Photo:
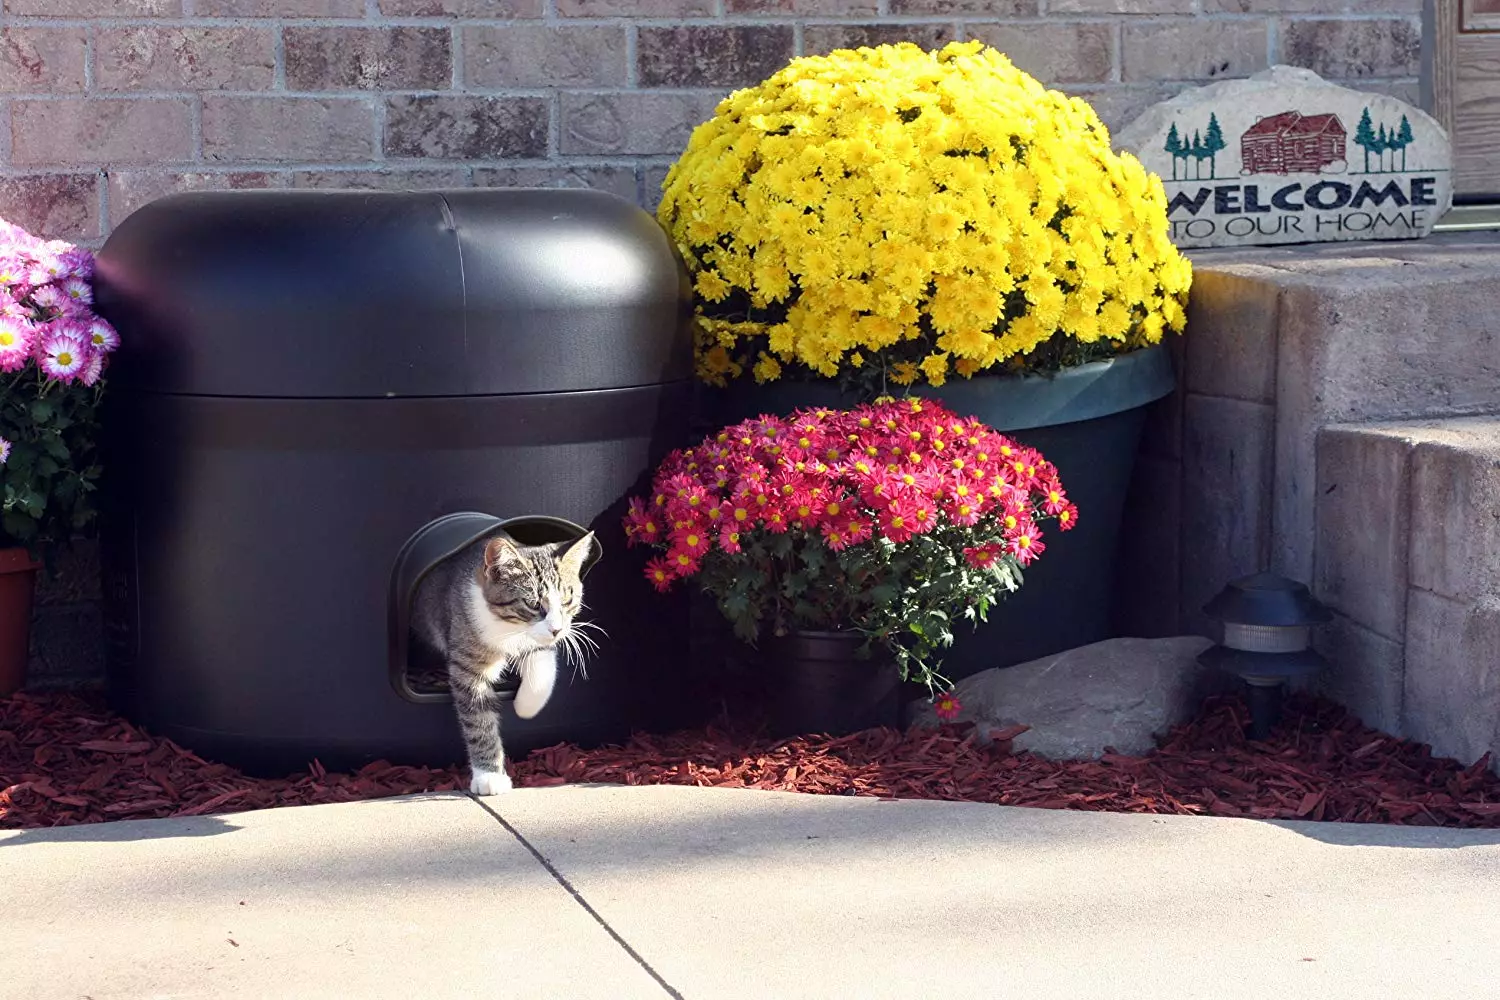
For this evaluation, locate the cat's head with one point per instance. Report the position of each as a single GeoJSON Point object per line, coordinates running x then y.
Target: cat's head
{"type": "Point", "coordinates": [535, 590]}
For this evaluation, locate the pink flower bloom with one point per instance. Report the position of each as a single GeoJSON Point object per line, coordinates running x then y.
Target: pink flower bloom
{"type": "Point", "coordinates": [659, 572]}
{"type": "Point", "coordinates": [982, 556]}
{"type": "Point", "coordinates": [78, 291]}
{"type": "Point", "coordinates": [16, 339]}
{"type": "Point", "coordinates": [47, 267]}
{"type": "Point", "coordinates": [947, 706]}
{"type": "Point", "coordinates": [63, 354]}
{"type": "Point", "coordinates": [51, 300]}
{"type": "Point", "coordinates": [93, 369]}
{"type": "Point", "coordinates": [4, 450]}
{"type": "Point", "coordinates": [104, 337]}
{"type": "Point", "coordinates": [12, 268]}
{"type": "Point", "coordinates": [78, 263]}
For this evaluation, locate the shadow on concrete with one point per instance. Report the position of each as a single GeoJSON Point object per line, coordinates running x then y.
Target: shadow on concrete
{"type": "Point", "coordinates": [1386, 835]}
{"type": "Point", "coordinates": [123, 831]}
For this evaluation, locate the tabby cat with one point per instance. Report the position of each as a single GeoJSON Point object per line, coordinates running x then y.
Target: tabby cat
{"type": "Point", "coordinates": [501, 608]}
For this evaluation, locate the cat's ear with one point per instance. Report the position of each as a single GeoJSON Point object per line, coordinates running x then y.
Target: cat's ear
{"type": "Point", "coordinates": [572, 555]}
{"type": "Point", "coordinates": [500, 550]}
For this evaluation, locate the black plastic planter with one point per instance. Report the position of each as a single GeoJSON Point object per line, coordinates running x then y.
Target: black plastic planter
{"type": "Point", "coordinates": [1087, 421]}
{"type": "Point", "coordinates": [310, 378]}
{"type": "Point", "coordinates": [819, 686]}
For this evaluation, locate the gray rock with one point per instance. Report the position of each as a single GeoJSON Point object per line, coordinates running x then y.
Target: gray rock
{"type": "Point", "coordinates": [1115, 693]}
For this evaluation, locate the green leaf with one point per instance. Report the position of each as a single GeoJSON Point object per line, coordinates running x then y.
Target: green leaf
{"type": "Point", "coordinates": [43, 410]}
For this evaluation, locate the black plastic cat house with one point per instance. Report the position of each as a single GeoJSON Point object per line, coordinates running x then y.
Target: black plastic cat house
{"type": "Point", "coordinates": [305, 379]}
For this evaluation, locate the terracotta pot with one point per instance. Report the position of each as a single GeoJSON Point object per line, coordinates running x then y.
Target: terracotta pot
{"type": "Point", "coordinates": [821, 687]}
{"type": "Point", "coordinates": [17, 582]}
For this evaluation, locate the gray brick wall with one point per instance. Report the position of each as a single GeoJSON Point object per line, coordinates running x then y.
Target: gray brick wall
{"type": "Point", "coordinates": [107, 104]}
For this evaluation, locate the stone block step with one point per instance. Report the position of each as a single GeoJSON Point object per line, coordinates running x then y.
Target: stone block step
{"type": "Point", "coordinates": [1407, 553]}
{"type": "Point", "coordinates": [1339, 334]}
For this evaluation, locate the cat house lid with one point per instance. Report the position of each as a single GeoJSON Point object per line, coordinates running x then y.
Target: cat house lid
{"type": "Point", "coordinates": [328, 294]}
{"type": "Point", "coordinates": [437, 540]}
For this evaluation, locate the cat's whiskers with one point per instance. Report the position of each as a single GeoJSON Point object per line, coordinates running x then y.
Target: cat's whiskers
{"type": "Point", "coordinates": [576, 644]}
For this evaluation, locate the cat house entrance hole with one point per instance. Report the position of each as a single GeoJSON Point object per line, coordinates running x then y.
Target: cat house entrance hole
{"type": "Point", "coordinates": [416, 672]}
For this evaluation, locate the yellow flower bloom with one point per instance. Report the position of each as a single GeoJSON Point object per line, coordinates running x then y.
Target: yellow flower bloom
{"type": "Point", "coordinates": [870, 198]}
{"type": "Point", "coordinates": [935, 367]}
{"type": "Point", "coordinates": [767, 369]}
{"type": "Point", "coordinates": [711, 286]}
{"type": "Point", "coordinates": [903, 373]}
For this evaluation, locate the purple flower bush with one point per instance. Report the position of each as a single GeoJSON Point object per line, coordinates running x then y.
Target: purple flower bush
{"type": "Point", "coordinates": [53, 354]}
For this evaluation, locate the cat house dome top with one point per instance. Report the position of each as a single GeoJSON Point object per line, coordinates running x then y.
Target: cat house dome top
{"type": "Point", "coordinates": [889, 214]}
{"type": "Point", "coordinates": [347, 294]}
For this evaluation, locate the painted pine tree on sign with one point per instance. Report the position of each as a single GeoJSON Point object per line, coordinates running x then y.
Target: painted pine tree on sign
{"type": "Point", "coordinates": [1364, 136]}
{"type": "Point", "coordinates": [1213, 144]}
{"type": "Point", "coordinates": [1177, 150]}
{"type": "Point", "coordinates": [1383, 140]}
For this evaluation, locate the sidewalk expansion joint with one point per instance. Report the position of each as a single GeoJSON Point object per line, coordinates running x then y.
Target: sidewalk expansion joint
{"type": "Point", "coordinates": [562, 880]}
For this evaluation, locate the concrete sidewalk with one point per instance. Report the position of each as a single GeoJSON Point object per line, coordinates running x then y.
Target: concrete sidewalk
{"type": "Point", "coordinates": [609, 892]}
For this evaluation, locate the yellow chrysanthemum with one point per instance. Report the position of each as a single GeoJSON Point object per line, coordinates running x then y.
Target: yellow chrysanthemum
{"type": "Point", "coordinates": [919, 213]}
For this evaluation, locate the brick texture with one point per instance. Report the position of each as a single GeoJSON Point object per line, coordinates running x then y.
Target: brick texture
{"type": "Point", "coordinates": [815, 8]}
{"type": "Point", "coordinates": [42, 60]}
{"type": "Point", "coordinates": [820, 39]}
{"type": "Point", "coordinates": [113, 130]}
{"type": "Point", "coordinates": [1193, 50]}
{"type": "Point", "coordinates": [94, 8]}
{"type": "Point", "coordinates": [402, 58]}
{"type": "Point", "coordinates": [498, 9]}
{"type": "Point", "coordinates": [1055, 53]}
{"type": "Point", "coordinates": [466, 128]}
{"type": "Point", "coordinates": [57, 206]}
{"type": "Point", "coordinates": [131, 189]}
{"type": "Point", "coordinates": [641, 123]}
{"type": "Point", "coordinates": [713, 56]}
{"type": "Point", "coordinates": [525, 56]}
{"type": "Point", "coordinates": [106, 105]}
{"type": "Point", "coordinates": [174, 58]}
{"type": "Point", "coordinates": [1354, 49]}
{"type": "Point", "coordinates": [277, 129]}
{"type": "Point", "coordinates": [279, 8]}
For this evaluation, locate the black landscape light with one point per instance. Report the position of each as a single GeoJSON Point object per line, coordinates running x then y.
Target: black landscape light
{"type": "Point", "coordinates": [1268, 622]}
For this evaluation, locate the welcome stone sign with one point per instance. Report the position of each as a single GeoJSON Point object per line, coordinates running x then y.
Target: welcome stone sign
{"type": "Point", "coordinates": [1287, 157]}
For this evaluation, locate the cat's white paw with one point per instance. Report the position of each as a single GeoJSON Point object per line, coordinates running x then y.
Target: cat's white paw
{"type": "Point", "coordinates": [489, 782]}
{"type": "Point", "coordinates": [538, 675]}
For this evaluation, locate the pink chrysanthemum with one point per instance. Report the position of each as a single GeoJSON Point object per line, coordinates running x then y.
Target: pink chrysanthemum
{"type": "Point", "coordinates": [78, 291]}
{"type": "Point", "coordinates": [103, 337]}
{"type": "Point", "coordinates": [50, 300]}
{"type": "Point", "coordinates": [78, 263]}
{"type": "Point", "coordinates": [947, 706]}
{"type": "Point", "coordinates": [93, 369]}
{"type": "Point", "coordinates": [46, 267]}
{"type": "Point", "coordinates": [16, 339]}
{"type": "Point", "coordinates": [659, 574]}
{"type": "Point", "coordinates": [63, 354]}
{"type": "Point", "coordinates": [4, 451]}
{"type": "Point", "coordinates": [12, 269]}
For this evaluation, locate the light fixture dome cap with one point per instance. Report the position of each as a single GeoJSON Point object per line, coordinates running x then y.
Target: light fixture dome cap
{"type": "Point", "coordinates": [1267, 599]}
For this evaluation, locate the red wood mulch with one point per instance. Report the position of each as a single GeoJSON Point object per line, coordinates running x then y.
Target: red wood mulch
{"type": "Point", "coordinates": [65, 760]}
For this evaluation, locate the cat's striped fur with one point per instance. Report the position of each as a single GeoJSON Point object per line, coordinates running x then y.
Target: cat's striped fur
{"type": "Point", "coordinates": [495, 608]}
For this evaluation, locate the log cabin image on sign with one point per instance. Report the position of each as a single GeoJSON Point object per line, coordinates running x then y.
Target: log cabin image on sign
{"type": "Point", "coordinates": [1286, 157]}
{"type": "Point", "coordinates": [1294, 143]}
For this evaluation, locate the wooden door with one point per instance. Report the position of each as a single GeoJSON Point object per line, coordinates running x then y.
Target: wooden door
{"type": "Point", "coordinates": [1465, 91]}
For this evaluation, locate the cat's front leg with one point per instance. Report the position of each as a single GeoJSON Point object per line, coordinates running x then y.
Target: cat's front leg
{"type": "Point", "coordinates": [479, 721]}
{"type": "Point", "coordinates": [538, 676]}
